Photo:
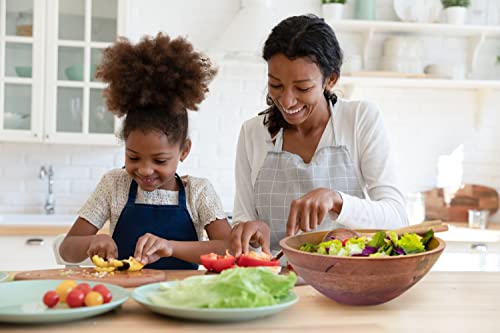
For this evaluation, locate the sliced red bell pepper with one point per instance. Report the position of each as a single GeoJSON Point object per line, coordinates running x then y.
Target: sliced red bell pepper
{"type": "Point", "coordinates": [217, 263]}
{"type": "Point", "coordinates": [254, 259]}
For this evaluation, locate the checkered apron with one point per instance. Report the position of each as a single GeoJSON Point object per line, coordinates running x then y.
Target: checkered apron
{"type": "Point", "coordinates": [284, 177]}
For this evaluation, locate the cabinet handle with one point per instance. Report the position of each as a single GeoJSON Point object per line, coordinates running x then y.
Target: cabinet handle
{"type": "Point", "coordinates": [479, 247]}
{"type": "Point", "coordinates": [35, 241]}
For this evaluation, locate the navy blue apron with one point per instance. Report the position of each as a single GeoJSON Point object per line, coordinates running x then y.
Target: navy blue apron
{"type": "Point", "coordinates": [171, 222]}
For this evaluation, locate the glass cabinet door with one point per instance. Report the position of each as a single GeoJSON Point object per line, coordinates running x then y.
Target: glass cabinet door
{"type": "Point", "coordinates": [21, 94]}
{"type": "Point", "coordinates": [78, 32]}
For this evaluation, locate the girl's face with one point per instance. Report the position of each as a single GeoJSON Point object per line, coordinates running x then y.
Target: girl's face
{"type": "Point", "coordinates": [152, 160]}
{"type": "Point", "coordinates": [296, 87]}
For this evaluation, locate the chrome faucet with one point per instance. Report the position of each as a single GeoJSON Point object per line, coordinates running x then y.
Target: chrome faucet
{"type": "Point", "coordinates": [50, 201]}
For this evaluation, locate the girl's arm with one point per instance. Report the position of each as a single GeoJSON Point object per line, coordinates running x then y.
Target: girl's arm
{"type": "Point", "coordinates": [151, 248]}
{"type": "Point", "coordinates": [219, 233]}
{"type": "Point", "coordinates": [82, 242]}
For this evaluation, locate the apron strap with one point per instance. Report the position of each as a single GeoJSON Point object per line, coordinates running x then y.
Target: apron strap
{"type": "Point", "coordinates": [182, 192]}
{"type": "Point", "coordinates": [132, 192]}
{"type": "Point", "coordinates": [278, 144]}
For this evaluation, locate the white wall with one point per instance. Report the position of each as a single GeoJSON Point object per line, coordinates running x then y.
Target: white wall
{"type": "Point", "coordinates": [423, 123]}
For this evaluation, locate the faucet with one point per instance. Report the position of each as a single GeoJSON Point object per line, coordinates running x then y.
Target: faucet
{"type": "Point", "coordinates": [50, 201]}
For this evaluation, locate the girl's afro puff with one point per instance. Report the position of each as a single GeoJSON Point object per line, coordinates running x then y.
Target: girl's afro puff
{"type": "Point", "coordinates": [157, 72]}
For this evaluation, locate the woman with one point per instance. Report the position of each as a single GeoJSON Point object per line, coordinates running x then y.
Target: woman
{"type": "Point", "coordinates": [311, 161]}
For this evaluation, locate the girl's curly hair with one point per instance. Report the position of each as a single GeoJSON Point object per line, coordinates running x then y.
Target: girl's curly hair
{"type": "Point", "coordinates": [154, 83]}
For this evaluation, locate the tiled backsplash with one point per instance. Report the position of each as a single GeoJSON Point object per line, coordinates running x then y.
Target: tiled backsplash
{"type": "Point", "coordinates": [423, 124]}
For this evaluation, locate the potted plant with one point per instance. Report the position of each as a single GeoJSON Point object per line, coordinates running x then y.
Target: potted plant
{"type": "Point", "coordinates": [455, 10]}
{"type": "Point", "coordinates": [333, 9]}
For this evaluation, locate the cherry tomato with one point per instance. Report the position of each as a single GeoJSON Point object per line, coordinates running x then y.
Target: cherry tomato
{"type": "Point", "coordinates": [85, 287]}
{"type": "Point", "coordinates": [106, 294]}
{"type": "Point", "coordinates": [75, 298]}
{"type": "Point", "coordinates": [217, 263]}
{"type": "Point", "coordinates": [94, 298]}
{"type": "Point", "coordinates": [64, 288]}
{"type": "Point", "coordinates": [51, 298]}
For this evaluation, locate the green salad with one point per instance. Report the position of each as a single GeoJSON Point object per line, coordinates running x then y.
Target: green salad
{"type": "Point", "coordinates": [380, 245]}
{"type": "Point", "coordinates": [243, 287]}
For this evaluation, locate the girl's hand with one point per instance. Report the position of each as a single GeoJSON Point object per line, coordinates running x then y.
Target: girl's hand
{"type": "Point", "coordinates": [252, 232]}
{"type": "Point", "coordinates": [308, 212]}
{"type": "Point", "coordinates": [150, 248]}
{"type": "Point", "coordinates": [104, 246]}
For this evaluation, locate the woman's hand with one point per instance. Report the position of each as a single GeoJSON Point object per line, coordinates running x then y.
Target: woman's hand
{"type": "Point", "coordinates": [252, 232]}
{"type": "Point", "coordinates": [150, 248]}
{"type": "Point", "coordinates": [104, 246]}
{"type": "Point", "coordinates": [308, 212]}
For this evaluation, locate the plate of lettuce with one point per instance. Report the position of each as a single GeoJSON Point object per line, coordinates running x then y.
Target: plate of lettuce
{"type": "Point", "coordinates": [234, 295]}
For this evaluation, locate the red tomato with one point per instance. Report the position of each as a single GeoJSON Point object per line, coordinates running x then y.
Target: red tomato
{"type": "Point", "coordinates": [106, 294]}
{"type": "Point", "coordinates": [51, 298]}
{"type": "Point", "coordinates": [217, 263]}
{"type": "Point", "coordinates": [256, 259]}
{"type": "Point", "coordinates": [85, 287]}
{"type": "Point", "coordinates": [75, 298]}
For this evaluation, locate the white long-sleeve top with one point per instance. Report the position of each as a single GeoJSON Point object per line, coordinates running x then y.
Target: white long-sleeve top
{"type": "Point", "coordinates": [359, 126]}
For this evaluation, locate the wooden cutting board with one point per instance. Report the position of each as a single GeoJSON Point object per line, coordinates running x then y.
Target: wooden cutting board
{"type": "Point", "coordinates": [469, 196]}
{"type": "Point", "coordinates": [122, 279]}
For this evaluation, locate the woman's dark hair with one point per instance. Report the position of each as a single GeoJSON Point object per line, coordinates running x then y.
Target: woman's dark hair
{"type": "Point", "coordinates": [302, 36]}
{"type": "Point", "coordinates": [154, 83]}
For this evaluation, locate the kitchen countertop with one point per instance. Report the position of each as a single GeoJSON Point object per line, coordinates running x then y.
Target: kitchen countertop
{"type": "Point", "coordinates": [441, 301]}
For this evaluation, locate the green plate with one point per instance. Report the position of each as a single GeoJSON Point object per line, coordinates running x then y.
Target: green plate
{"type": "Point", "coordinates": [4, 276]}
{"type": "Point", "coordinates": [22, 302]}
{"type": "Point", "coordinates": [140, 295]}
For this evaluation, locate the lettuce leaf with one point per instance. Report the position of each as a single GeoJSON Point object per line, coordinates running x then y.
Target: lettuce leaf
{"type": "Point", "coordinates": [233, 288]}
{"type": "Point", "coordinates": [411, 243]}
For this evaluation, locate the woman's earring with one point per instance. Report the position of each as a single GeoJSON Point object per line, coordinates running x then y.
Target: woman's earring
{"type": "Point", "coordinates": [269, 100]}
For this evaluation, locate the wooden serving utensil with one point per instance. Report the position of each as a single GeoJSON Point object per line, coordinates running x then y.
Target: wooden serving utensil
{"type": "Point", "coordinates": [419, 229]}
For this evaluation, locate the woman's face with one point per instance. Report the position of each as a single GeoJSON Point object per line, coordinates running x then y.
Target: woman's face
{"type": "Point", "coordinates": [296, 87]}
{"type": "Point", "coordinates": [152, 160]}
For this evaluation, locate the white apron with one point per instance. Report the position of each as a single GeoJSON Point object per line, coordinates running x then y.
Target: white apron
{"type": "Point", "coordinates": [284, 176]}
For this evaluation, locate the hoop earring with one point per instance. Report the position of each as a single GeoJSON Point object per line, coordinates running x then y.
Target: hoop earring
{"type": "Point", "coordinates": [269, 100]}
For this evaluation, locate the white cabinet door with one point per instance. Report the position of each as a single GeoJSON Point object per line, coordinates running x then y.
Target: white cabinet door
{"type": "Point", "coordinates": [77, 33]}
{"type": "Point", "coordinates": [49, 53]}
{"type": "Point", "coordinates": [27, 253]}
{"type": "Point", "coordinates": [21, 69]}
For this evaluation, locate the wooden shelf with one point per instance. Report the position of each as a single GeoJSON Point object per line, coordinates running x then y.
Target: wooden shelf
{"type": "Point", "coordinates": [418, 28]}
{"type": "Point", "coordinates": [419, 83]}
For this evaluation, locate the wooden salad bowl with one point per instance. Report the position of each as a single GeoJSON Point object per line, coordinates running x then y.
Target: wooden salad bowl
{"type": "Point", "coordinates": [359, 280]}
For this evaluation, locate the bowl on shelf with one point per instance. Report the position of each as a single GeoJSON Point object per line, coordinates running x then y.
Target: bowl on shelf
{"type": "Point", "coordinates": [75, 72]}
{"type": "Point", "coordinates": [359, 280]}
{"type": "Point", "coordinates": [23, 71]}
{"type": "Point", "coordinates": [15, 120]}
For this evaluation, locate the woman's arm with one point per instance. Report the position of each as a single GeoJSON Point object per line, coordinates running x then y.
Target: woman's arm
{"type": "Point", "coordinates": [244, 201]}
{"type": "Point", "coordinates": [385, 208]}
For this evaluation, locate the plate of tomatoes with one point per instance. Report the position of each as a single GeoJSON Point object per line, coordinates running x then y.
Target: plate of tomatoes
{"type": "Point", "coordinates": [44, 301]}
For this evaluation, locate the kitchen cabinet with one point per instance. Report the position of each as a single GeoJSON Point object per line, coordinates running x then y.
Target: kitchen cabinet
{"type": "Point", "coordinates": [51, 48]}
{"type": "Point", "coordinates": [27, 252]}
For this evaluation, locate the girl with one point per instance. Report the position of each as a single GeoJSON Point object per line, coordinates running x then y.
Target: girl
{"type": "Point", "coordinates": [311, 160]}
{"type": "Point", "coordinates": [155, 216]}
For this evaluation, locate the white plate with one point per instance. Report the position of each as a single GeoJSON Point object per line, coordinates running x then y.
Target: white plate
{"type": "Point", "coordinates": [22, 302]}
{"type": "Point", "coordinates": [140, 295]}
{"type": "Point", "coordinates": [422, 11]}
